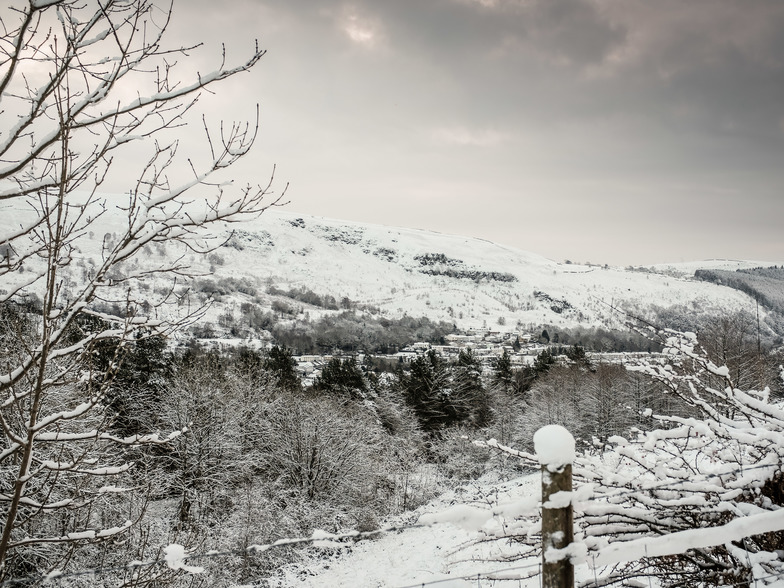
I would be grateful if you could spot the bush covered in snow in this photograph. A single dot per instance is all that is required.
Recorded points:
(693, 501)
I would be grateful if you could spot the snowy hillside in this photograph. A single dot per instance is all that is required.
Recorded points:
(469, 282)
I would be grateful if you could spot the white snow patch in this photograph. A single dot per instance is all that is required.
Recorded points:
(451, 555)
(174, 556)
(464, 516)
(554, 447)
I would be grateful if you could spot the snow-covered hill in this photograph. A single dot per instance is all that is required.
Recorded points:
(470, 282)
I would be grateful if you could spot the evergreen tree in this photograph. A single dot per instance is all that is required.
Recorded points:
(502, 372)
(371, 370)
(134, 374)
(543, 362)
(281, 364)
(523, 379)
(442, 396)
(576, 353)
(342, 378)
(469, 396)
(425, 389)
(251, 364)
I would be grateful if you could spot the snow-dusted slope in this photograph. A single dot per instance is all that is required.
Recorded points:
(470, 282)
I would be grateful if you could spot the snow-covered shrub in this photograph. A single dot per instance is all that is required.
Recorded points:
(221, 407)
(394, 416)
(706, 471)
(319, 447)
(457, 458)
(696, 502)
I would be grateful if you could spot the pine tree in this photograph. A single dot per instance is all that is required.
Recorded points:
(281, 364)
(543, 362)
(138, 390)
(425, 389)
(469, 396)
(576, 353)
(502, 373)
(443, 396)
(342, 378)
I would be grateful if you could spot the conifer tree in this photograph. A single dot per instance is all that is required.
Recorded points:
(425, 389)
(342, 377)
(468, 393)
(281, 364)
(502, 372)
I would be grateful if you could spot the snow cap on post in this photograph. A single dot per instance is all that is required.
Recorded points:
(554, 447)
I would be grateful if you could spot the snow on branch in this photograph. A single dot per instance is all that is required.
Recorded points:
(82, 82)
(703, 491)
(86, 535)
(683, 541)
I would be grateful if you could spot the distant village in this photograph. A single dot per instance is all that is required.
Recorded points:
(486, 345)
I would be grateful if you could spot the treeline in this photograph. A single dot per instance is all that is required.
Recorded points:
(348, 331)
(599, 339)
(452, 268)
(351, 332)
(216, 289)
(470, 274)
(308, 296)
(764, 284)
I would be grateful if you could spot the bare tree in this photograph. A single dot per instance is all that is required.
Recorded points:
(734, 341)
(87, 91)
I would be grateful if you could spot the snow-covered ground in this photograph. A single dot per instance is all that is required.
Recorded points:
(441, 552)
(443, 555)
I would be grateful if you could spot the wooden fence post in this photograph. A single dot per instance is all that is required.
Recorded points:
(555, 451)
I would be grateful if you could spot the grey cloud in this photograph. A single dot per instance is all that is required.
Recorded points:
(556, 100)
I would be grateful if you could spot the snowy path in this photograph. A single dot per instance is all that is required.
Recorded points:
(441, 553)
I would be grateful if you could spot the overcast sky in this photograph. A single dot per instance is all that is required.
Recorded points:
(610, 131)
